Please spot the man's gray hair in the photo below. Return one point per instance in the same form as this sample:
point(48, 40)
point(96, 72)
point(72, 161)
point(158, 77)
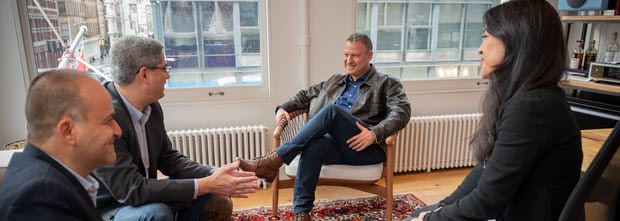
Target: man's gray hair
point(130, 53)
point(362, 38)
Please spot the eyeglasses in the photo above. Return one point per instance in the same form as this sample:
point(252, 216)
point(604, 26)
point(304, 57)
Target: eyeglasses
point(166, 68)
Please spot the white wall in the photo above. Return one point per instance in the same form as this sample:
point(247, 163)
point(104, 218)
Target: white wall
point(330, 22)
point(12, 82)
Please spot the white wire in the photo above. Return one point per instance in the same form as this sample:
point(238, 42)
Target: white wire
point(94, 69)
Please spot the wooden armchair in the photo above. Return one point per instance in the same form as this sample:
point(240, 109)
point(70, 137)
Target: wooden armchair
point(336, 175)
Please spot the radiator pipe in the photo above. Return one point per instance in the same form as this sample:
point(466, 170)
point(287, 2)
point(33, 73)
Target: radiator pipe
point(304, 44)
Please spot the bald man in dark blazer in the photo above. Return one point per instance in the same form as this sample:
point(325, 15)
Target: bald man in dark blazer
point(71, 132)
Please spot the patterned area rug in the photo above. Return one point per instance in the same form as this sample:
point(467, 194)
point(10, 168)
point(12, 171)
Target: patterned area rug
point(357, 209)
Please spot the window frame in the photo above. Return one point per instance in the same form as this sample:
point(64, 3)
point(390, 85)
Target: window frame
point(176, 95)
point(232, 92)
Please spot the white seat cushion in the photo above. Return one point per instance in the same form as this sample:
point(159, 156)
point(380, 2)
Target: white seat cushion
point(5, 157)
point(341, 171)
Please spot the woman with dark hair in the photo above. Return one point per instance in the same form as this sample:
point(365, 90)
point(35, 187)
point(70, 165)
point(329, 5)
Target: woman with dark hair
point(528, 144)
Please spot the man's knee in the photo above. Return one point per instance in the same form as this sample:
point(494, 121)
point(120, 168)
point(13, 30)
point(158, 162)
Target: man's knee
point(219, 207)
point(331, 107)
point(329, 111)
point(159, 211)
point(147, 212)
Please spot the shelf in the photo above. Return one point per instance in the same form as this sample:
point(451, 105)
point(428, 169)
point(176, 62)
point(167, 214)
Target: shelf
point(603, 88)
point(592, 18)
point(577, 71)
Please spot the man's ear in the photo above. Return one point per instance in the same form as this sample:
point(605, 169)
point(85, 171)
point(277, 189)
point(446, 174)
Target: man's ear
point(142, 73)
point(65, 128)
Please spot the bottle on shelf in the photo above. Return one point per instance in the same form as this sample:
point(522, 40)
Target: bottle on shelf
point(590, 55)
point(611, 49)
point(576, 57)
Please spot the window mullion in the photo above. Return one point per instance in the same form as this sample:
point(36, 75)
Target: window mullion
point(463, 31)
point(434, 36)
point(403, 34)
point(237, 34)
point(434, 29)
point(374, 17)
point(199, 37)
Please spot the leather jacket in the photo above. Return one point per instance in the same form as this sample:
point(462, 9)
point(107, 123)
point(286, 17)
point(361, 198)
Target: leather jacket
point(381, 105)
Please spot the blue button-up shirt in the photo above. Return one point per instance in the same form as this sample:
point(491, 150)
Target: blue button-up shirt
point(349, 95)
point(139, 120)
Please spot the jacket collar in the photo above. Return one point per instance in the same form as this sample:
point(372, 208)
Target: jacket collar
point(369, 75)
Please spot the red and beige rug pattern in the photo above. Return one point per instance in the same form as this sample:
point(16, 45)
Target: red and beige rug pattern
point(356, 209)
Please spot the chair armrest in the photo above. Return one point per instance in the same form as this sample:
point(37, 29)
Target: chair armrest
point(281, 126)
point(390, 139)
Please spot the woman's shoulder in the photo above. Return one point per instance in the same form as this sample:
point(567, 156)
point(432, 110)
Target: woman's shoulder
point(540, 95)
point(537, 101)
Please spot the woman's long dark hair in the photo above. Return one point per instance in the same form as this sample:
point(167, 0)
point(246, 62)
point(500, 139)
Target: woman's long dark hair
point(535, 56)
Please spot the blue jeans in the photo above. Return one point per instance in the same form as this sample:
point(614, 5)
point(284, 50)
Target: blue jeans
point(322, 140)
point(163, 212)
point(146, 212)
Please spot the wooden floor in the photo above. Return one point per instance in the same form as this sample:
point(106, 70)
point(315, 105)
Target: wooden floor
point(430, 187)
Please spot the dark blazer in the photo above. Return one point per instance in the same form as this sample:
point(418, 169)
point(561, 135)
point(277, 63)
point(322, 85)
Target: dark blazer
point(534, 166)
point(36, 187)
point(125, 181)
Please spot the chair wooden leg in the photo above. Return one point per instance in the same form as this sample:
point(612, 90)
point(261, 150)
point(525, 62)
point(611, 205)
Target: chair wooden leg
point(274, 200)
point(389, 177)
point(389, 208)
point(389, 181)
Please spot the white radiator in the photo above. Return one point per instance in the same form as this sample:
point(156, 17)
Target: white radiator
point(220, 146)
point(435, 142)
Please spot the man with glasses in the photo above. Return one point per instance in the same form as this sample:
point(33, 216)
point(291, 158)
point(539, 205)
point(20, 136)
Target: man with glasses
point(131, 190)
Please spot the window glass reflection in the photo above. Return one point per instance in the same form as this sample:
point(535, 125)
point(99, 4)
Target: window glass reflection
point(207, 42)
point(180, 34)
point(221, 47)
point(421, 39)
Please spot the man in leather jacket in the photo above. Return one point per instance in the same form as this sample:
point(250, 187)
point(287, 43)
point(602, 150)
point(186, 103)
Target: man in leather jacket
point(350, 115)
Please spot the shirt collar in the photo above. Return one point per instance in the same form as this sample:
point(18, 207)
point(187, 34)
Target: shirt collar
point(89, 183)
point(135, 114)
point(361, 79)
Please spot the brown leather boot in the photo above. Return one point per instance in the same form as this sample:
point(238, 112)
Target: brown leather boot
point(264, 167)
point(218, 208)
point(303, 216)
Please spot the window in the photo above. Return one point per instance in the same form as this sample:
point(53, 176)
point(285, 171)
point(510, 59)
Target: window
point(211, 44)
point(423, 40)
point(62, 9)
